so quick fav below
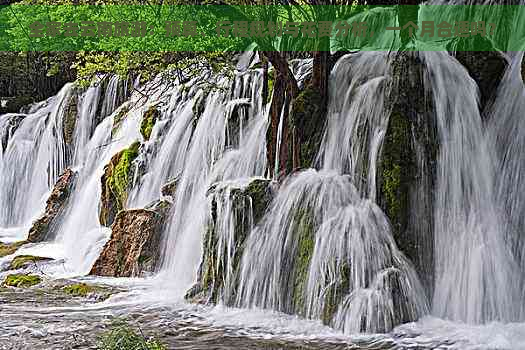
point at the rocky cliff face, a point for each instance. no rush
(134, 247)
(42, 228)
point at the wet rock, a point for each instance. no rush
(148, 121)
(485, 67)
(119, 118)
(407, 166)
(21, 280)
(69, 120)
(170, 187)
(8, 249)
(42, 228)
(116, 181)
(12, 124)
(22, 261)
(308, 115)
(248, 205)
(133, 249)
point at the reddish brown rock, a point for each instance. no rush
(42, 228)
(134, 244)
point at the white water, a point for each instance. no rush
(478, 276)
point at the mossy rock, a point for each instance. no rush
(308, 116)
(78, 289)
(119, 118)
(148, 121)
(21, 280)
(304, 232)
(116, 182)
(69, 120)
(24, 260)
(8, 249)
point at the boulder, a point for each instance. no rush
(246, 207)
(116, 182)
(55, 204)
(523, 68)
(133, 249)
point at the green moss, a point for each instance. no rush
(148, 121)
(121, 336)
(79, 289)
(120, 178)
(304, 230)
(21, 280)
(397, 169)
(391, 183)
(307, 118)
(8, 249)
(22, 260)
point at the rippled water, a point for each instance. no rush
(39, 318)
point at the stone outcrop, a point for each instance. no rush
(485, 67)
(134, 247)
(407, 166)
(42, 228)
(148, 121)
(252, 199)
(116, 181)
(69, 120)
(523, 69)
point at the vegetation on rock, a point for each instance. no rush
(8, 249)
(116, 181)
(78, 289)
(21, 280)
(21, 261)
(148, 121)
(121, 336)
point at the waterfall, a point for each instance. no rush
(476, 275)
(324, 248)
(506, 132)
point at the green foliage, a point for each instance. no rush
(22, 260)
(21, 280)
(122, 336)
(79, 289)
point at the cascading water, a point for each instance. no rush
(473, 263)
(323, 249)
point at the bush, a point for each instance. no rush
(122, 336)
